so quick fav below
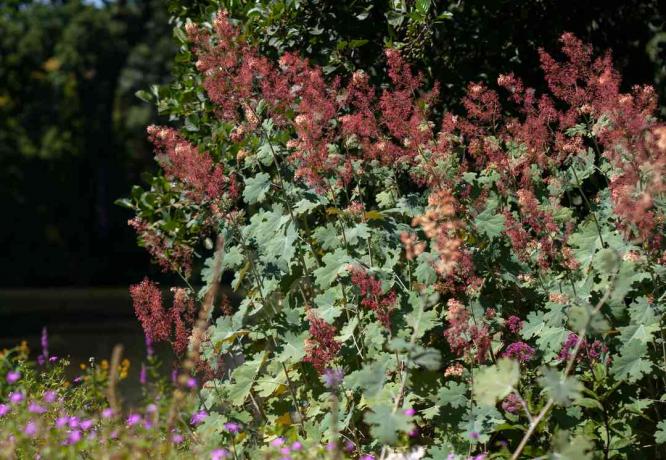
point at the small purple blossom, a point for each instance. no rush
(514, 324)
(296, 445)
(232, 427)
(4, 410)
(30, 429)
(151, 408)
(511, 403)
(191, 383)
(198, 417)
(367, 457)
(410, 412)
(35, 408)
(53, 359)
(177, 438)
(143, 375)
(73, 422)
(87, 424)
(45, 344)
(277, 442)
(519, 351)
(474, 435)
(49, 396)
(218, 454)
(61, 421)
(333, 378)
(150, 351)
(73, 437)
(13, 377)
(15, 397)
(133, 419)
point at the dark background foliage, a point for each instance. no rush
(72, 131)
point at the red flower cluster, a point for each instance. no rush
(514, 324)
(321, 348)
(159, 324)
(465, 337)
(182, 161)
(520, 351)
(169, 255)
(440, 225)
(372, 296)
(589, 351)
(389, 127)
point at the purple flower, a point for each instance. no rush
(143, 375)
(349, 446)
(511, 403)
(296, 445)
(198, 417)
(92, 435)
(191, 383)
(410, 412)
(4, 410)
(45, 343)
(177, 438)
(78, 379)
(277, 442)
(53, 359)
(15, 397)
(61, 421)
(414, 433)
(519, 351)
(49, 396)
(73, 437)
(333, 378)
(232, 427)
(30, 429)
(35, 408)
(73, 422)
(87, 424)
(151, 408)
(514, 324)
(218, 454)
(367, 457)
(149, 347)
(107, 413)
(285, 451)
(474, 435)
(13, 377)
(133, 419)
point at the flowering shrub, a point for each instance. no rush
(489, 283)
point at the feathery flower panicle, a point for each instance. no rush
(147, 300)
(171, 256)
(321, 348)
(183, 161)
(464, 336)
(372, 296)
